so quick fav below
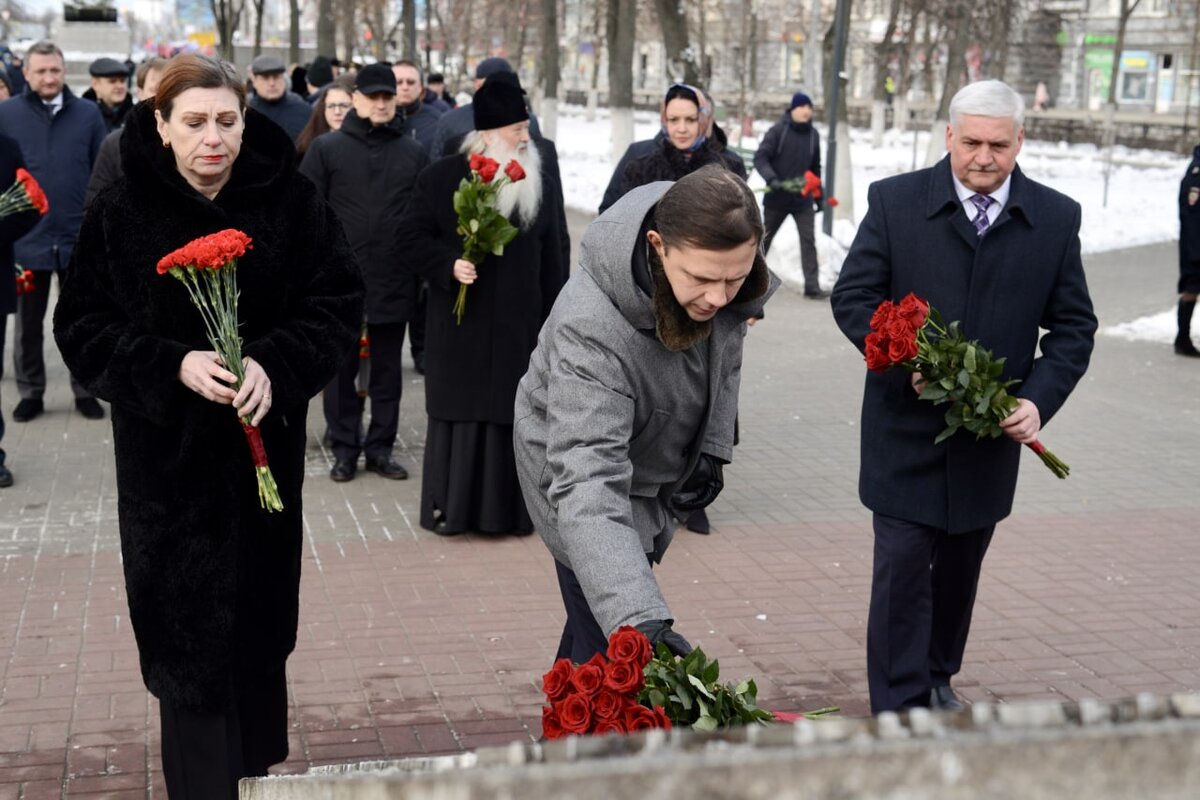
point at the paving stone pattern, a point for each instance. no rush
(411, 644)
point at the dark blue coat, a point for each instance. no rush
(12, 227)
(60, 154)
(1025, 274)
(787, 151)
(289, 112)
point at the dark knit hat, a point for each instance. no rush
(320, 71)
(498, 103)
(800, 99)
(490, 66)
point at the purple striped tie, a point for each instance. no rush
(982, 202)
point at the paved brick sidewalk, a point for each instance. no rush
(413, 644)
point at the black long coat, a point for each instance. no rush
(12, 227)
(666, 162)
(1025, 274)
(212, 579)
(472, 370)
(366, 174)
(1189, 226)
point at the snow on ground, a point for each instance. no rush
(1141, 207)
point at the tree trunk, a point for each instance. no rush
(550, 68)
(259, 8)
(959, 20)
(227, 14)
(681, 59)
(812, 55)
(1127, 9)
(326, 28)
(408, 10)
(620, 40)
(294, 31)
(349, 25)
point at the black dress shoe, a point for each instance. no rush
(419, 362)
(89, 407)
(343, 470)
(387, 467)
(943, 698)
(442, 528)
(820, 294)
(1183, 347)
(6, 477)
(29, 408)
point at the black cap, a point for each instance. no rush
(265, 65)
(320, 72)
(490, 66)
(375, 78)
(108, 68)
(497, 104)
(435, 77)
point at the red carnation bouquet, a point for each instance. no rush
(631, 688)
(24, 195)
(912, 334)
(24, 279)
(208, 268)
(484, 229)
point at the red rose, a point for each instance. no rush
(624, 677)
(551, 725)
(575, 713)
(898, 328)
(913, 310)
(488, 170)
(877, 353)
(664, 721)
(475, 162)
(901, 350)
(629, 644)
(608, 705)
(514, 172)
(609, 726)
(882, 315)
(589, 677)
(640, 718)
(556, 682)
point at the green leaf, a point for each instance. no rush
(969, 358)
(705, 724)
(964, 378)
(700, 687)
(946, 434)
(711, 673)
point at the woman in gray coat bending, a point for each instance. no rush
(626, 414)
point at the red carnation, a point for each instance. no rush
(514, 171)
(640, 718)
(609, 726)
(575, 712)
(624, 677)
(556, 682)
(609, 705)
(629, 644)
(551, 725)
(37, 197)
(589, 677)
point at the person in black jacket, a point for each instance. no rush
(12, 227)
(790, 149)
(366, 170)
(420, 118)
(690, 140)
(469, 479)
(1189, 255)
(271, 97)
(108, 163)
(110, 91)
(213, 580)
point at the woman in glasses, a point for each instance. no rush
(328, 112)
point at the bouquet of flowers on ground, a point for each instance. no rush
(911, 334)
(24, 280)
(208, 268)
(634, 689)
(24, 195)
(483, 228)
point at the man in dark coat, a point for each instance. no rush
(107, 169)
(366, 170)
(469, 480)
(271, 97)
(986, 245)
(790, 149)
(1189, 255)
(455, 124)
(12, 227)
(420, 118)
(110, 91)
(60, 136)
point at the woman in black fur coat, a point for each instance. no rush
(690, 140)
(212, 579)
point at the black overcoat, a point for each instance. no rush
(666, 162)
(1025, 274)
(212, 579)
(1189, 226)
(472, 370)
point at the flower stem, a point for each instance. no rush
(1052, 462)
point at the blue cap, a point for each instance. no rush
(800, 99)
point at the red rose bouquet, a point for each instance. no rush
(208, 268)
(24, 195)
(484, 229)
(911, 334)
(808, 186)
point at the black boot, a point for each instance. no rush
(1183, 341)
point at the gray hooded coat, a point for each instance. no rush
(597, 452)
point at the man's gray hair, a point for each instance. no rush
(44, 48)
(988, 99)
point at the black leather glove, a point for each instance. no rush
(702, 486)
(659, 630)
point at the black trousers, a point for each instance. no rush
(344, 408)
(922, 596)
(582, 636)
(204, 755)
(29, 362)
(774, 217)
(416, 328)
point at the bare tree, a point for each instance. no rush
(619, 35)
(672, 20)
(228, 16)
(326, 28)
(549, 68)
(259, 8)
(293, 31)
(1127, 9)
(348, 23)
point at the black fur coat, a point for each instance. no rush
(212, 580)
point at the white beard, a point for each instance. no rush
(520, 201)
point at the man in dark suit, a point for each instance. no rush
(985, 245)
